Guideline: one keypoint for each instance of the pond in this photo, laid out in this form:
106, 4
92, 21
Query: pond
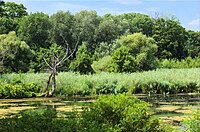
171, 108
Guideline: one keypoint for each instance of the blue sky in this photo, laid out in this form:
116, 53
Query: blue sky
187, 11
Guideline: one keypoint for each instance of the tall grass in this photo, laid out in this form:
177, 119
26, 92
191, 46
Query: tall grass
167, 81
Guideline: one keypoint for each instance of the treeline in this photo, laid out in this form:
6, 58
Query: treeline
127, 42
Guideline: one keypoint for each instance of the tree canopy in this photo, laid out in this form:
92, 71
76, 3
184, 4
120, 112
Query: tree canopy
126, 42
171, 38
34, 30
15, 55
137, 53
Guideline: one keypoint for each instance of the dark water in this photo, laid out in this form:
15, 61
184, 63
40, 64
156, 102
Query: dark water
156, 98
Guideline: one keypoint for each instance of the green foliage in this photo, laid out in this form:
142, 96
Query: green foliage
43, 120
192, 123
162, 81
171, 38
34, 30
193, 44
101, 34
15, 55
18, 90
105, 49
184, 63
8, 25
123, 61
138, 23
2, 3
136, 54
10, 15
108, 114
13, 10
83, 61
119, 113
85, 24
102, 65
39, 63
110, 28
62, 27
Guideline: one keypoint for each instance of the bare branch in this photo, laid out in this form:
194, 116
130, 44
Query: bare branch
47, 63
68, 56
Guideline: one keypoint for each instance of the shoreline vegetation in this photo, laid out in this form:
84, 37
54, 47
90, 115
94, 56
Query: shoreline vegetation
161, 81
171, 95
111, 58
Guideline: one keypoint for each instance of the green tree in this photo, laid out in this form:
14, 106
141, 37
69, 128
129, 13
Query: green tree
110, 28
104, 64
84, 26
15, 55
10, 16
123, 61
62, 28
34, 30
138, 22
171, 38
105, 49
136, 54
13, 10
193, 44
7, 25
2, 3
83, 61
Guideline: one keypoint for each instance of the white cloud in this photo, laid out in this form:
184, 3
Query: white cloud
102, 11
195, 22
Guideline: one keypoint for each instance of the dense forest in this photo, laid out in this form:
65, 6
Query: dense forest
127, 42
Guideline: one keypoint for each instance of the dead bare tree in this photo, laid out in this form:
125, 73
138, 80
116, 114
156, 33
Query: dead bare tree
55, 63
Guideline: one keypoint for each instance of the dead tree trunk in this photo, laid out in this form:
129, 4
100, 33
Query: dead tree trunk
52, 78
55, 62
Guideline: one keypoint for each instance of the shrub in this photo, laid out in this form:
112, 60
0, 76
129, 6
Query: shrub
135, 54
119, 113
192, 123
102, 65
184, 63
123, 61
38, 120
18, 90
83, 61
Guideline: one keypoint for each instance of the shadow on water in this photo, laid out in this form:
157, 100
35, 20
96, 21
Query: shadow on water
170, 98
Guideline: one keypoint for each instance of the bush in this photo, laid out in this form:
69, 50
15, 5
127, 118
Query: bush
102, 65
123, 61
192, 123
38, 120
119, 113
83, 61
184, 63
18, 90
137, 53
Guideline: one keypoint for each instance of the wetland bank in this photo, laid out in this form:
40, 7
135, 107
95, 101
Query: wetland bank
85, 72
172, 110
165, 93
